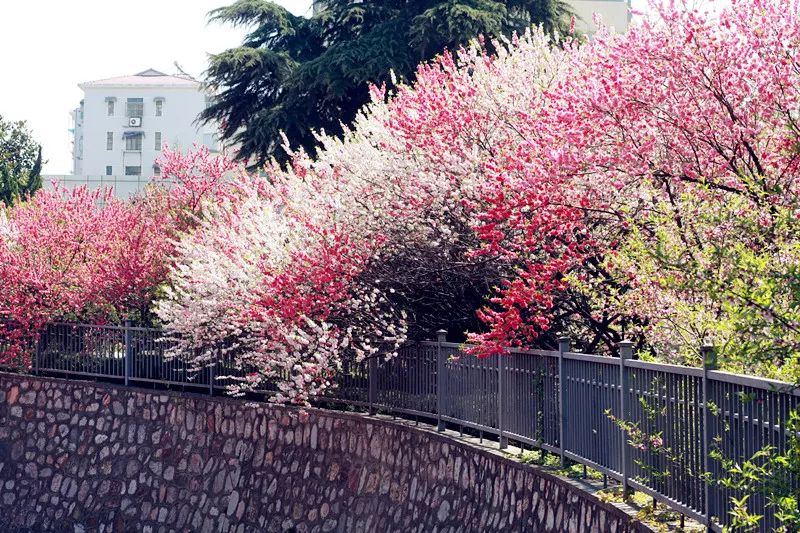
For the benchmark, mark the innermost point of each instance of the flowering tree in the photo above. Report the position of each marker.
(261, 285)
(607, 179)
(692, 143)
(188, 183)
(75, 254)
(545, 178)
(413, 188)
(413, 170)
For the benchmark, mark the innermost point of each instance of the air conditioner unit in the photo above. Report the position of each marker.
(134, 122)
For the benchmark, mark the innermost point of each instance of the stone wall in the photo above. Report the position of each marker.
(86, 457)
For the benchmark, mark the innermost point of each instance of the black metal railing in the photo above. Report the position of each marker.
(559, 401)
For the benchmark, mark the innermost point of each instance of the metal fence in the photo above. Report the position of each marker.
(559, 401)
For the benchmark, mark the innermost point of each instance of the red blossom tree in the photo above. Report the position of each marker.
(603, 155)
(80, 254)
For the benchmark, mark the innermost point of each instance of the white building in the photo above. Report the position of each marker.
(123, 123)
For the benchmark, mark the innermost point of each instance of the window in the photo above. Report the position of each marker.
(109, 170)
(133, 143)
(157, 169)
(133, 171)
(135, 107)
(110, 104)
(158, 141)
(159, 107)
(109, 140)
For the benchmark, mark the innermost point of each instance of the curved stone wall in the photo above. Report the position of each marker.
(85, 457)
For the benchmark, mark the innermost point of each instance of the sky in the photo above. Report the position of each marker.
(50, 46)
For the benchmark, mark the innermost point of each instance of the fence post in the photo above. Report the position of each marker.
(710, 362)
(38, 351)
(625, 353)
(212, 371)
(372, 383)
(564, 345)
(128, 352)
(441, 337)
(500, 385)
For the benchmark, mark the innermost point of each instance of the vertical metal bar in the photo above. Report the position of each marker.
(37, 352)
(441, 337)
(709, 363)
(54, 359)
(625, 353)
(212, 372)
(64, 343)
(564, 345)
(69, 339)
(500, 391)
(698, 448)
(685, 433)
(372, 383)
(44, 340)
(128, 352)
(481, 398)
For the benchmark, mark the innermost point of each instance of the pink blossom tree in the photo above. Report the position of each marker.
(677, 144)
(625, 185)
(80, 254)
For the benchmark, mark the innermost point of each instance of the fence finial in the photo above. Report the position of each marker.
(626, 349)
(441, 335)
(564, 344)
(709, 353)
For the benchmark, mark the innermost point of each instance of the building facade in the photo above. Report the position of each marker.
(123, 123)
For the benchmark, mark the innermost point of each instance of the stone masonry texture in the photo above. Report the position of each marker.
(82, 457)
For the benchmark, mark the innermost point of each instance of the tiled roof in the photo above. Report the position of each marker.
(147, 78)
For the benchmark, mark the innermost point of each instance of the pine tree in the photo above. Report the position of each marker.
(20, 162)
(294, 75)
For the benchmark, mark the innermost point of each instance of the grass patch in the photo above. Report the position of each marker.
(553, 462)
(657, 516)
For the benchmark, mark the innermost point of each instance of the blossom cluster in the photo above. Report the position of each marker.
(261, 285)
